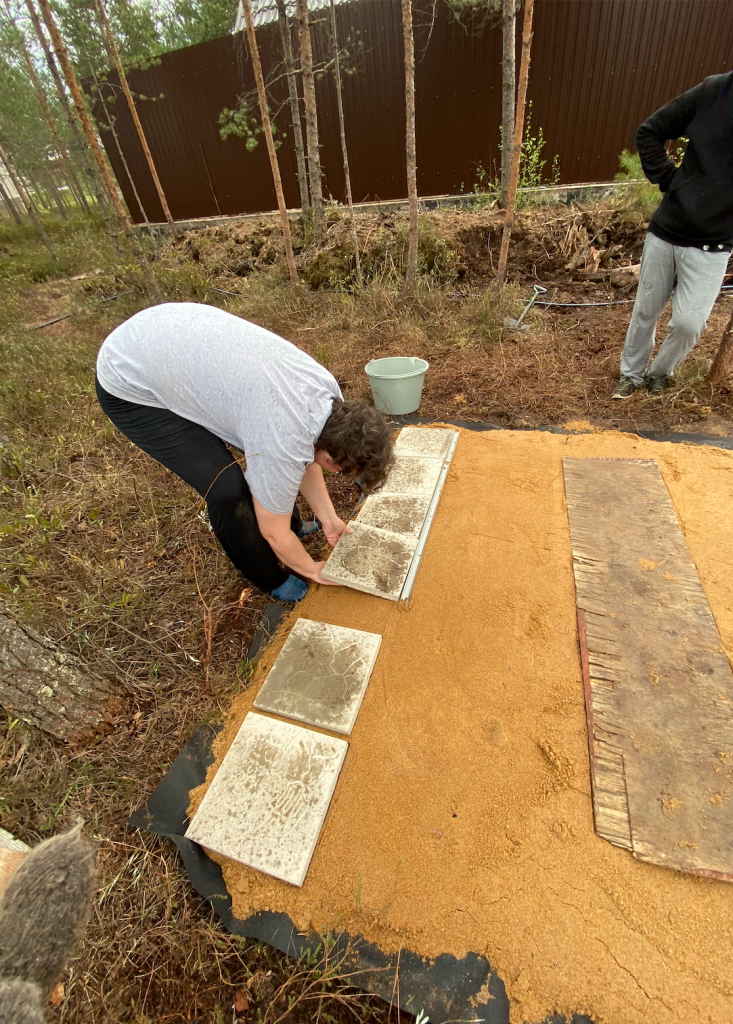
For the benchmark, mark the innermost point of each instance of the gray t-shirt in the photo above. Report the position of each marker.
(243, 383)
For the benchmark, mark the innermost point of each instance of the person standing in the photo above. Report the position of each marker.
(690, 235)
(181, 379)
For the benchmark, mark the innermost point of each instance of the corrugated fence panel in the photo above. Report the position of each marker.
(599, 68)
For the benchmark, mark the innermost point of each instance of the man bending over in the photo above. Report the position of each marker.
(181, 379)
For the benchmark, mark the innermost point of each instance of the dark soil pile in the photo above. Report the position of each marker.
(556, 244)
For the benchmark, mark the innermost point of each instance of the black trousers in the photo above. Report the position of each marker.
(203, 461)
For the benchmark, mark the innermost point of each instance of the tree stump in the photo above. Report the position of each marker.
(723, 363)
(54, 691)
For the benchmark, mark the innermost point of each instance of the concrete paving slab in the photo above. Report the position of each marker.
(267, 803)
(372, 560)
(399, 513)
(432, 443)
(320, 675)
(412, 474)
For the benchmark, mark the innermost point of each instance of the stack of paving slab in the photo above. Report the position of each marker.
(394, 521)
(269, 798)
(267, 802)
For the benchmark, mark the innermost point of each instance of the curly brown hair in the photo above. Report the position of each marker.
(359, 438)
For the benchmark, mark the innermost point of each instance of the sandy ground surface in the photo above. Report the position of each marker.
(463, 817)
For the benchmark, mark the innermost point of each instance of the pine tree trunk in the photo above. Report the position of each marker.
(27, 203)
(722, 366)
(344, 151)
(282, 18)
(95, 184)
(411, 147)
(115, 54)
(10, 204)
(43, 102)
(75, 192)
(37, 197)
(311, 117)
(51, 191)
(86, 123)
(53, 691)
(517, 149)
(267, 131)
(508, 88)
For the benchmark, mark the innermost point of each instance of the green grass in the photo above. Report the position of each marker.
(635, 186)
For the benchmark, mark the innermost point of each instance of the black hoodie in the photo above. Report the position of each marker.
(697, 208)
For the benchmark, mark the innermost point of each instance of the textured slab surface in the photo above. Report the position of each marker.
(399, 513)
(267, 803)
(429, 442)
(412, 475)
(659, 687)
(320, 675)
(372, 560)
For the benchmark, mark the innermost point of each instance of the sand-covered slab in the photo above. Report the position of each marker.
(462, 819)
(320, 675)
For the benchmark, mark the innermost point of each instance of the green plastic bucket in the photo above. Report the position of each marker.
(396, 383)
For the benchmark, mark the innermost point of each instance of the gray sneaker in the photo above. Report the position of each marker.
(625, 388)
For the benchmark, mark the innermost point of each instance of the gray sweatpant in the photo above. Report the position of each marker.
(692, 277)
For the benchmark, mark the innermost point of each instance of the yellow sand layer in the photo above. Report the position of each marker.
(463, 818)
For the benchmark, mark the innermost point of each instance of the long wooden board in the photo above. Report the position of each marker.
(659, 687)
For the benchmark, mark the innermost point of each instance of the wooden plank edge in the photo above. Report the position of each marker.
(664, 862)
(585, 667)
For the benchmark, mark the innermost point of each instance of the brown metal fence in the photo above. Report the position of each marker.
(599, 68)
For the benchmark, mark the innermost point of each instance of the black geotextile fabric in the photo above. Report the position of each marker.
(446, 989)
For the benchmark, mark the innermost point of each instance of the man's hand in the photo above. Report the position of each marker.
(317, 578)
(333, 528)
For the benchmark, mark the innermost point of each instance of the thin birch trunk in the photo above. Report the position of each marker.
(88, 127)
(410, 144)
(95, 185)
(508, 88)
(267, 129)
(311, 117)
(10, 204)
(115, 54)
(282, 17)
(517, 149)
(344, 151)
(25, 200)
(113, 131)
(722, 366)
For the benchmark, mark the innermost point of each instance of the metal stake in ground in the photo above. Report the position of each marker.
(515, 325)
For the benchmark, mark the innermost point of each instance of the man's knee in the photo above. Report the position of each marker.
(688, 324)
